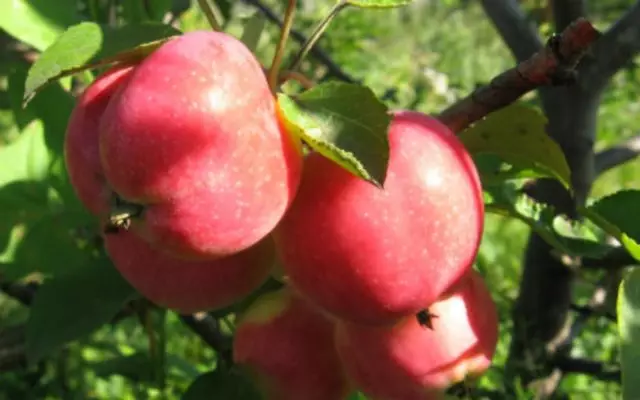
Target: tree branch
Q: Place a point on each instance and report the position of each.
(614, 156)
(590, 312)
(321, 55)
(596, 303)
(208, 329)
(596, 369)
(617, 258)
(509, 19)
(551, 65)
(567, 11)
(616, 48)
(463, 391)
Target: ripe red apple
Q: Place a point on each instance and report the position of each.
(374, 255)
(82, 154)
(194, 138)
(189, 286)
(287, 345)
(410, 361)
(183, 285)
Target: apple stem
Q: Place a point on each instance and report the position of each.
(214, 18)
(317, 33)
(284, 35)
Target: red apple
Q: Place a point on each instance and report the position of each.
(410, 361)
(287, 345)
(374, 255)
(189, 286)
(182, 285)
(194, 138)
(81, 141)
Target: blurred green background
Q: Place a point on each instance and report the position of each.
(433, 53)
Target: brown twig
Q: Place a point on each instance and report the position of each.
(554, 64)
(208, 329)
(617, 155)
(595, 369)
(285, 76)
(617, 258)
(317, 52)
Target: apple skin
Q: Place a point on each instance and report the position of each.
(194, 137)
(188, 286)
(287, 345)
(374, 255)
(183, 285)
(82, 155)
(409, 361)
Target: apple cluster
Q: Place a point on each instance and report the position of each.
(204, 194)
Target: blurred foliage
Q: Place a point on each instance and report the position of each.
(432, 53)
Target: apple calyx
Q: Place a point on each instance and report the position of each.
(121, 214)
(425, 317)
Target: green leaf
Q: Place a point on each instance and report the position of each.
(53, 107)
(37, 22)
(27, 158)
(506, 199)
(253, 29)
(378, 3)
(628, 310)
(517, 134)
(619, 215)
(221, 384)
(494, 170)
(22, 204)
(345, 123)
(88, 45)
(71, 306)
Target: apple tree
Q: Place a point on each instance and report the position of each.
(226, 199)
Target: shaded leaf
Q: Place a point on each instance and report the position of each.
(72, 305)
(253, 31)
(628, 311)
(494, 170)
(345, 123)
(88, 45)
(221, 384)
(619, 215)
(137, 367)
(159, 8)
(508, 200)
(517, 134)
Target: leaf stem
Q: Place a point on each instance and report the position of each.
(284, 35)
(317, 33)
(208, 11)
(296, 76)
